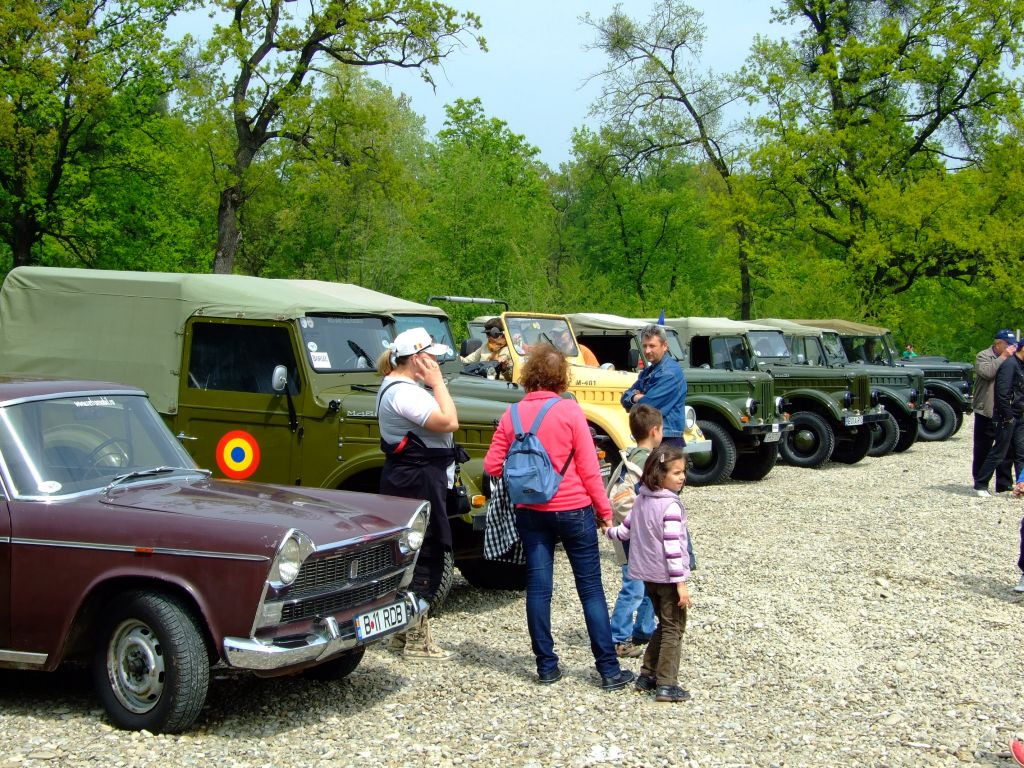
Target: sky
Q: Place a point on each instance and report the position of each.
(534, 73)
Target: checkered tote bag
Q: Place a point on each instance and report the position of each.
(501, 541)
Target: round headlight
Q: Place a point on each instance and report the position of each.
(289, 560)
(848, 399)
(412, 538)
(779, 404)
(691, 418)
(752, 406)
(875, 398)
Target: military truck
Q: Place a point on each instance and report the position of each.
(831, 409)
(949, 386)
(736, 410)
(269, 380)
(900, 390)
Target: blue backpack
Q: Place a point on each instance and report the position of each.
(529, 474)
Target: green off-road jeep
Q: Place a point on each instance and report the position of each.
(269, 380)
(948, 385)
(900, 390)
(831, 409)
(736, 410)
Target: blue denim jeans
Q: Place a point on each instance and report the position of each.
(632, 599)
(577, 530)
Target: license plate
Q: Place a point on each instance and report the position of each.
(772, 437)
(853, 421)
(380, 620)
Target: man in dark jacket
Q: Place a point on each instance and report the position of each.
(1007, 410)
(986, 365)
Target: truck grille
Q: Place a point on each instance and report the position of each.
(766, 396)
(340, 601)
(861, 389)
(320, 573)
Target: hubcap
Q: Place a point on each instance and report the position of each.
(135, 666)
(805, 440)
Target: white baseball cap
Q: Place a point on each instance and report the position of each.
(416, 340)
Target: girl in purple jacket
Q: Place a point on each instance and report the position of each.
(656, 531)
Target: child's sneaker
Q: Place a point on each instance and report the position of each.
(671, 693)
(628, 651)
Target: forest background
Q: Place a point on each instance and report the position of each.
(875, 173)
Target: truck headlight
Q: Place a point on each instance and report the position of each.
(848, 399)
(292, 553)
(412, 538)
(691, 418)
(751, 406)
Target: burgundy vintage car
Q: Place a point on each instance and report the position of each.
(115, 549)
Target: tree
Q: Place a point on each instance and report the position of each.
(269, 56)
(651, 88)
(880, 118)
(82, 84)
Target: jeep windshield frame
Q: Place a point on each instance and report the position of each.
(525, 331)
(768, 344)
(344, 343)
(834, 350)
(856, 349)
(436, 325)
(730, 353)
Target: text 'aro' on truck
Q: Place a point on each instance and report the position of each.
(117, 551)
(260, 379)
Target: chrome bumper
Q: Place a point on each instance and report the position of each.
(324, 641)
(697, 446)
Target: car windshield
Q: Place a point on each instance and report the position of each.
(437, 326)
(834, 348)
(866, 349)
(768, 344)
(528, 331)
(675, 347)
(729, 353)
(65, 445)
(336, 343)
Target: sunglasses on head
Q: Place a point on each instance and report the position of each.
(494, 333)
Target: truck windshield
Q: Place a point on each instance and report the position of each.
(528, 331)
(339, 343)
(729, 353)
(768, 344)
(675, 347)
(437, 326)
(834, 348)
(866, 349)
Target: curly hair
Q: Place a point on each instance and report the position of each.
(546, 369)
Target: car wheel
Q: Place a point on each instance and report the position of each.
(908, 432)
(959, 418)
(852, 447)
(150, 667)
(337, 668)
(757, 464)
(492, 574)
(940, 423)
(717, 464)
(884, 435)
(447, 577)
(810, 443)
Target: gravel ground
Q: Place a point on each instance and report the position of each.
(856, 615)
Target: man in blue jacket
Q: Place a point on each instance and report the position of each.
(661, 384)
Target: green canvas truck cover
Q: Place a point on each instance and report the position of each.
(128, 326)
(846, 326)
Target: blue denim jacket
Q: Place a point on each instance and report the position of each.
(664, 388)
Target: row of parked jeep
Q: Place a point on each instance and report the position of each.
(169, 571)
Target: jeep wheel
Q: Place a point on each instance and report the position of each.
(853, 447)
(959, 418)
(447, 577)
(940, 423)
(150, 664)
(717, 464)
(492, 574)
(884, 435)
(810, 443)
(908, 432)
(337, 668)
(755, 465)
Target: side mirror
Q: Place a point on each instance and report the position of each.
(279, 380)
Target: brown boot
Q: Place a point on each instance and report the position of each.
(420, 645)
(396, 642)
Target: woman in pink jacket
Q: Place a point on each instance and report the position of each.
(571, 517)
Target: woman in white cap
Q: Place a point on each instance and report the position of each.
(417, 417)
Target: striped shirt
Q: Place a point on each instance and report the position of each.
(656, 532)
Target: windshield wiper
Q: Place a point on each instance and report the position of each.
(162, 470)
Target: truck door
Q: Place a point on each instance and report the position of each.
(229, 417)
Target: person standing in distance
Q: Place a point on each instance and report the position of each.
(986, 365)
(661, 384)
(417, 417)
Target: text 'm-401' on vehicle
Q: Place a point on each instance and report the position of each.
(165, 572)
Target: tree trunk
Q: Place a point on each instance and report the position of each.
(228, 234)
(746, 299)
(24, 234)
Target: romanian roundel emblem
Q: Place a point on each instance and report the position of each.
(238, 454)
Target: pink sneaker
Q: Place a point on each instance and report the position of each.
(1017, 751)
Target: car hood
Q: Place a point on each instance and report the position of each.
(326, 515)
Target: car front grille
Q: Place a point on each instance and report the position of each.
(320, 573)
(324, 605)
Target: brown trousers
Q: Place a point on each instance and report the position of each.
(661, 660)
